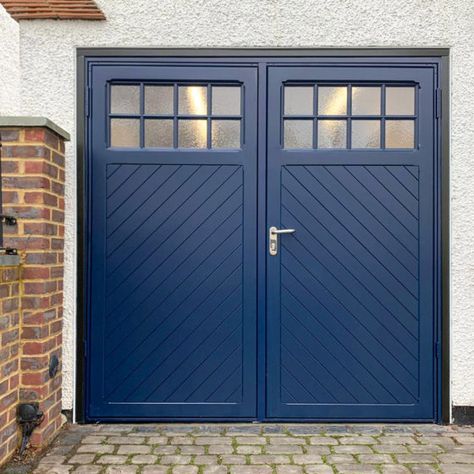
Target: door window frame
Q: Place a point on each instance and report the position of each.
(436, 58)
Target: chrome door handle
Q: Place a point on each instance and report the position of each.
(273, 233)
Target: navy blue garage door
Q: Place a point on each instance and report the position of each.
(173, 327)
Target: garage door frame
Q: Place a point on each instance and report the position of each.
(437, 58)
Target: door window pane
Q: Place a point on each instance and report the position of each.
(298, 134)
(125, 99)
(159, 100)
(192, 134)
(332, 100)
(366, 100)
(400, 134)
(332, 134)
(298, 100)
(365, 133)
(400, 100)
(125, 132)
(226, 100)
(225, 134)
(192, 100)
(159, 133)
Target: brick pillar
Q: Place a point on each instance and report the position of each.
(33, 191)
(9, 356)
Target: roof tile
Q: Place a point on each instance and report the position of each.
(53, 9)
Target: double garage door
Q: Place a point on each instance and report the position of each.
(262, 241)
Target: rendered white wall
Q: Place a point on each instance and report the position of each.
(9, 64)
(48, 88)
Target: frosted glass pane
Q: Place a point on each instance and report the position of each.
(192, 100)
(365, 133)
(331, 134)
(298, 134)
(332, 100)
(125, 132)
(366, 101)
(400, 100)
(125, 100)
(226, 134)
(159, 100)
(226, 101)
(400, 134)
(192, 134)
(298, 100)
(159, 133)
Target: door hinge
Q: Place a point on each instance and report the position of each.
(437, 349)
(438, 103)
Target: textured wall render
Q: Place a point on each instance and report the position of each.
(9, 64)
(48, 88)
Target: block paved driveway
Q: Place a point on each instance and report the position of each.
(261, 449)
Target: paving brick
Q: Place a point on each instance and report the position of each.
(155, 470)
(456, 468)
(54, 459)
(279, 440)
(182, 440)
(451, 458)
(245, 430)
(375, 458)
(356, 469)
(157, 440)
(307, 459)
(252, 440)
(323, 440)
(248, 449)
(428, 448)
(209, 460)
(289, 470)
(126, 440)
(391, 449)
(121, 470)
(214, 470)
(424, 469)
(205, 440)
(82, 459)
(318, 469)
(269, 459)
(93, 439)
(351, 449)
(134, 449)
(144, 459)
(185, 470)
(112, 459)
(250, 470)
(96, 448)
(166, 450)
(218, 449)
(357, 440)
(284, 449)
(233, 459)
(340, 458)
(87, 469)
(62, 469)
(196, 449)
(394, 469)
(322, 450)
(415, 459)
(176, 459)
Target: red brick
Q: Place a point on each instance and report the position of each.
(25, 151)
(41, 198)
(35, 273)
(26, 182)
